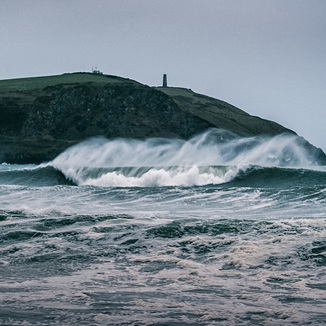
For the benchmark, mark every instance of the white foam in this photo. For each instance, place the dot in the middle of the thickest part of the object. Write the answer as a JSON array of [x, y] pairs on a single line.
[[159, 177]]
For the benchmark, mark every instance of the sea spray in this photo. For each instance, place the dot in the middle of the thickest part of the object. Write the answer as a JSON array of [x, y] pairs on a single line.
[[176, 162]]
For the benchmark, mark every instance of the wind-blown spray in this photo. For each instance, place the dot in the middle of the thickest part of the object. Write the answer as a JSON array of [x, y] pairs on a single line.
[[213, 157]]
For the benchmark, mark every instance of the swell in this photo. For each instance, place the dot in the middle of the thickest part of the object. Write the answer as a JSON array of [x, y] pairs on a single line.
[[32, 176], [277, 177]]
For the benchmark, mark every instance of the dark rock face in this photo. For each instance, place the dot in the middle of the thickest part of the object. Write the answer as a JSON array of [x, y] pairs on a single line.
[[39, 122], [112, 111]]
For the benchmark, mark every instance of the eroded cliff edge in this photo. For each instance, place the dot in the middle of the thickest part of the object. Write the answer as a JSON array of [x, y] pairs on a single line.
[[40, 117]]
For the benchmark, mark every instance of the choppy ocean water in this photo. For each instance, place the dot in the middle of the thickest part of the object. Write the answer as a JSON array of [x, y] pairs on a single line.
[[218, 230]]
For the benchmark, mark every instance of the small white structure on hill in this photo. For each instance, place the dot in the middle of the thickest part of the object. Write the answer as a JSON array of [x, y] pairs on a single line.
[[96, 71]]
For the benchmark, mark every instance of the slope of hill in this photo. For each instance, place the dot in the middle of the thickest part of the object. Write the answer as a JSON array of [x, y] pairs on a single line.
[[221, 114]]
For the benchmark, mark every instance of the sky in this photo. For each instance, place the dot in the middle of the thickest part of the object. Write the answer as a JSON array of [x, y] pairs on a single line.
[[266, 57]]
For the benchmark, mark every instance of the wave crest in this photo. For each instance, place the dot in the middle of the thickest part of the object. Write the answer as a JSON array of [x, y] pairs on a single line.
[[213, 157]]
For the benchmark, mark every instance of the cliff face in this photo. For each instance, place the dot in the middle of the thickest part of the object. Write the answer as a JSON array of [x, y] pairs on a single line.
[[75, 113], [40, 117]]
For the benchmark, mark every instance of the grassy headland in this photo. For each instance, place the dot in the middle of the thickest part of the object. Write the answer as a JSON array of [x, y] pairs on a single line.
[[42, 116]]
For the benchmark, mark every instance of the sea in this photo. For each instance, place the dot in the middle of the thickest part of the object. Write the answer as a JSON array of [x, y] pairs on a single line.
[[215, 230]]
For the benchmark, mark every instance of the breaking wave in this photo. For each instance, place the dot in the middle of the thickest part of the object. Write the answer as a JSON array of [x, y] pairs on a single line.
[[214, 157]]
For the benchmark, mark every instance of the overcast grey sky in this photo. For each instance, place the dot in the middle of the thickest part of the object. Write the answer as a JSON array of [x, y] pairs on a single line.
[[265, 56]]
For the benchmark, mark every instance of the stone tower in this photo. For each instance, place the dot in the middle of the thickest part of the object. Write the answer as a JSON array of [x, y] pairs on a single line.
[[165, 81]]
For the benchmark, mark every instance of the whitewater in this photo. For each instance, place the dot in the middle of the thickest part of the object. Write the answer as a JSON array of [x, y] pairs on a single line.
[[215, 230]]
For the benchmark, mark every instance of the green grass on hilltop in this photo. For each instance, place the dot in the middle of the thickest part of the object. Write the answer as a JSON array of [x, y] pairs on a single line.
[[22, 84]]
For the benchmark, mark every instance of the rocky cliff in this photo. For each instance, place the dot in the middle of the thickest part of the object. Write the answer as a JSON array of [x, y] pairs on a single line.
[[40, 117]]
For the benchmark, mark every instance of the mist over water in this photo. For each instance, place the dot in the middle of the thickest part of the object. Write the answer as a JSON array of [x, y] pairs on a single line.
[[213, 157]]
